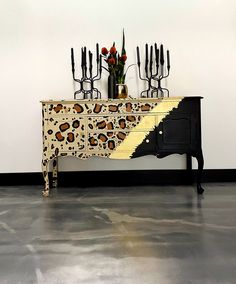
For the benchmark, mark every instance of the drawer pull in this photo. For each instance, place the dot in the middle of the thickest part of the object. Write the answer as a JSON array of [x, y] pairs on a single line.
[[160, 132]]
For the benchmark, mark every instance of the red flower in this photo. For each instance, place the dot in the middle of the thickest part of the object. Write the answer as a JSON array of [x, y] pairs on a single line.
[[112, 50], [104, 51], [116, 61], [123, 58], [111, 61]]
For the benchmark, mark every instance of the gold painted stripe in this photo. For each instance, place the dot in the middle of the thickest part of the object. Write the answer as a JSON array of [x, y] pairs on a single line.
[[138, 134]]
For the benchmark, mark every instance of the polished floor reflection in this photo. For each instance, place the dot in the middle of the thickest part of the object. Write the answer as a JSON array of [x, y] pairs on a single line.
[[117, 235]]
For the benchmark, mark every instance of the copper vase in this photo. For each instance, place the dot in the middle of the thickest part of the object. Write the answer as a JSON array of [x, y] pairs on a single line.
[[121, 91]]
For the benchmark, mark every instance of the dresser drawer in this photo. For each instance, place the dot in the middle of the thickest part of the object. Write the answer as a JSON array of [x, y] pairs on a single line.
[[121, 123], [66, 135], [105, 141]]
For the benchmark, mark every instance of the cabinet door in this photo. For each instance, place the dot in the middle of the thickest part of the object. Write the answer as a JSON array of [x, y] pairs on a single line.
[[177, 133]]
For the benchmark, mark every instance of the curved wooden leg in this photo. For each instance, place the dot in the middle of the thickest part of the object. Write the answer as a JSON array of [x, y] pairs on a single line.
[[199, 157], [45, 164], [54, 172]]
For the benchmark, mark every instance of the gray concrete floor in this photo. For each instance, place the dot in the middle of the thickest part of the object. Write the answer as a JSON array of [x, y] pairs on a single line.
[[118, 235]]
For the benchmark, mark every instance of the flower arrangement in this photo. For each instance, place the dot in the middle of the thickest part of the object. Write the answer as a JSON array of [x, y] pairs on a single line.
[[116, 61]]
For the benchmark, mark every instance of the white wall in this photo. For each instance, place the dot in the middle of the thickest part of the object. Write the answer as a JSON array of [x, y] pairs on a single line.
[[35, 42]]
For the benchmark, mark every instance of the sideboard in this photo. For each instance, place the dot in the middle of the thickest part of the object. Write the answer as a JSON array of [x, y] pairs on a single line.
[[121, 129]]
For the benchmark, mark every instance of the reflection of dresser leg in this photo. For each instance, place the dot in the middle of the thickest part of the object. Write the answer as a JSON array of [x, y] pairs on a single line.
[[45, 164], [199, 157], [55, 172]]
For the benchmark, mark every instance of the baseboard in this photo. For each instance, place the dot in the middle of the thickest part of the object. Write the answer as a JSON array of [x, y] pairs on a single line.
[[121, 178]]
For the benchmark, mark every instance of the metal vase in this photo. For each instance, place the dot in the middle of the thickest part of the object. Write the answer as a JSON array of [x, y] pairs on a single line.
[[121, 91]]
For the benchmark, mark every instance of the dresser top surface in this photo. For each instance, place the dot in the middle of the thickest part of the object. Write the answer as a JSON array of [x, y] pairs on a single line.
[[133, 100]]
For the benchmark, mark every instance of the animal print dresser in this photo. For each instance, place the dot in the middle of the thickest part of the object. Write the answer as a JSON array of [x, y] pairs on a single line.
[[115, 129]]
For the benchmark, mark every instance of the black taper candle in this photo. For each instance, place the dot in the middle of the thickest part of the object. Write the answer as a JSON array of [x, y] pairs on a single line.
[[157, 54], [82, 57], [85, 61], [90, 59], [82, 61], [85, 57], [146, 57], [138, 56], [157, 58], [72, 61], [151, 56], [168, 60], [162, 61], [90, 63], [97, 53]]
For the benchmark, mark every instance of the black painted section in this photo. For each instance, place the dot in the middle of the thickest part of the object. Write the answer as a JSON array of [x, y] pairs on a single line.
[[126, 178], [178, 133]]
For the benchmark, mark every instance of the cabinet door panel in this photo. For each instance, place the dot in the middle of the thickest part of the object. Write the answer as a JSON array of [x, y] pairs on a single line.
[[176, 132]]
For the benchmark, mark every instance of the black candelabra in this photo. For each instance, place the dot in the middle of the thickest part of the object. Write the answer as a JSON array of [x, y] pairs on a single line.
[[155, 71], [86, 82]]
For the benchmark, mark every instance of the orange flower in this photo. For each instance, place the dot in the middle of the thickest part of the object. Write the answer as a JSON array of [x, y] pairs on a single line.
[[111, 61], [123, 58], [104, 51], [112, 50]]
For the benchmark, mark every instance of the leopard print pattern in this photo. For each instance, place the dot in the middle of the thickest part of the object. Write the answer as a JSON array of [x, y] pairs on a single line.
[[88, 128], [106, 126]]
